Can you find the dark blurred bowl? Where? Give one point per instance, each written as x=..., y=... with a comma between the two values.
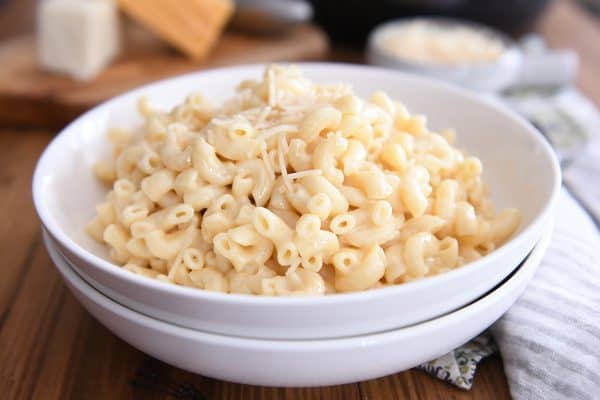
x=350, y=21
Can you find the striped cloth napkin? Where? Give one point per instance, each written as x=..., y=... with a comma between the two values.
x=550, y=339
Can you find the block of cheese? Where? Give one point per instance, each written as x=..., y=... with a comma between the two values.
x=77, y=37
x=192, y=26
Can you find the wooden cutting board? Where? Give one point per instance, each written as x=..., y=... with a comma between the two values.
x=32, y=97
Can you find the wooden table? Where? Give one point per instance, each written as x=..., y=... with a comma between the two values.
x=50, y=348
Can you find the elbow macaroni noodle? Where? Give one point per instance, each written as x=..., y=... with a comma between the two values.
x=293, y=188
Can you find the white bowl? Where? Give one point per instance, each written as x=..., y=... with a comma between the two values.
x=492, y=76
x=519, y=166
x=300, y=362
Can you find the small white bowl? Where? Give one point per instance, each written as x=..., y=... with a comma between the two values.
x=491, y=76
x=301, y=362
x=520, y=167
x=526, y=63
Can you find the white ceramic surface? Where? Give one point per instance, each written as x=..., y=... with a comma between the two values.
x=519, y=165
x=301, y=362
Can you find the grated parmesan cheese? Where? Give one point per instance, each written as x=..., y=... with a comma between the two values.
x=271, y=87
x=282, y=164
x=278, y=129
x=267, y=160
x=302, y=174
x=433, y=43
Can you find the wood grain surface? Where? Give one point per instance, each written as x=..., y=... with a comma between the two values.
x=50, y=348
x=565, y=25
x=32, y=97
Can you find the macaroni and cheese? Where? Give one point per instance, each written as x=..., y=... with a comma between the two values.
x=293, y=188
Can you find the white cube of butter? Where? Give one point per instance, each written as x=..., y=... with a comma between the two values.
x=77, y=37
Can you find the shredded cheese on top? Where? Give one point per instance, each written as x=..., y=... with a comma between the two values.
x=302, y=174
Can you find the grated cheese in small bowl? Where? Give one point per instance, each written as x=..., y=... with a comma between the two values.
x=428, y=42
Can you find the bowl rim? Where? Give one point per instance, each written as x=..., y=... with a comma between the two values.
x=50, y=224
x=532, y=262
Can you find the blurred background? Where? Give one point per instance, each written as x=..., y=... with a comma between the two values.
x=61, y=57
x=353, y=21
x=224, y=32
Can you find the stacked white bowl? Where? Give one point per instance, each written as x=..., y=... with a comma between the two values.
x=304, y=341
